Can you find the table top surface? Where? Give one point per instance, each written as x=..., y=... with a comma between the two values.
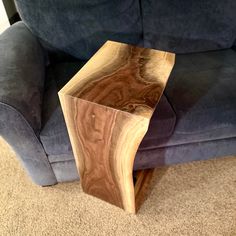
x=123, y=77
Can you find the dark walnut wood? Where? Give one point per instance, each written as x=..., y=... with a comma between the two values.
x=107, y=107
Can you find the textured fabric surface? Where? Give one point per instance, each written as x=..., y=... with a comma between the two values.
x=201, y=90
x=54, y=135
x=189, y=26
x=155, y=157
x=194, y=199
x=17, y=132
x=184, y=153
x=61, y=157
x=65, y=171
x=80, y=27
x=21, y=87
x=163, y=120
x=203, y=97
x=22, y=71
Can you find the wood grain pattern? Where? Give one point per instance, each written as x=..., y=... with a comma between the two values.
x=107, y=106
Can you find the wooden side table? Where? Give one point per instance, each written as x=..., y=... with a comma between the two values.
x=107, y=107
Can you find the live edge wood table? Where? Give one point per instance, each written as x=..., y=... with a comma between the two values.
x=107, y=107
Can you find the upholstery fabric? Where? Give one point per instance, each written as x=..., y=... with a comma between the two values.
x=184, y=153
x=65, y=171
x=22, y=72
x=163, y=120
x=54, y=135
x=80, y=27
x=195, y=120
x=201, y=90
x=189, y=26
x=196, y=89
x=61, y=157
x=21, y=90
x=65, y=168
x=18, y=133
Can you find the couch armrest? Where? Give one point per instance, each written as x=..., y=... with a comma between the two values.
x=22, y=68
x=22, y=73
x=21, y=137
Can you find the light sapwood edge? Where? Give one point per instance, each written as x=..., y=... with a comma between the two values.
x=125, y=160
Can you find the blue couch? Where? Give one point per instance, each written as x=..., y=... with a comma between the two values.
x=196, y=116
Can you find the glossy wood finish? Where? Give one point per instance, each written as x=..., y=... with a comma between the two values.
x=107, y=106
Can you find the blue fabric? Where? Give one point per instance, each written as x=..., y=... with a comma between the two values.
x=18, y=133
x=65, y=171
x=21, y=90
x=189, y=26
x=54, y=135
x=61, y=157
x=65, y=168
x=201, y=88
x=80, y=27
x=22, y=72
x=184, y=153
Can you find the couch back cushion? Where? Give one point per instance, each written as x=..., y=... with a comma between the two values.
x=80, y=27
x=189, y=25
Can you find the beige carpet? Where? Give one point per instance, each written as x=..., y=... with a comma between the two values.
x=190, y=199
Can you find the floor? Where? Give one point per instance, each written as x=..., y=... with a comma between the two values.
x=191, y=199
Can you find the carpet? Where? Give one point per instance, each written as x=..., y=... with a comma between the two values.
x=197, y=198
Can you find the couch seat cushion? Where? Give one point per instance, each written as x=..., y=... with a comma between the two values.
x=201, y=90
x=54, y=136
